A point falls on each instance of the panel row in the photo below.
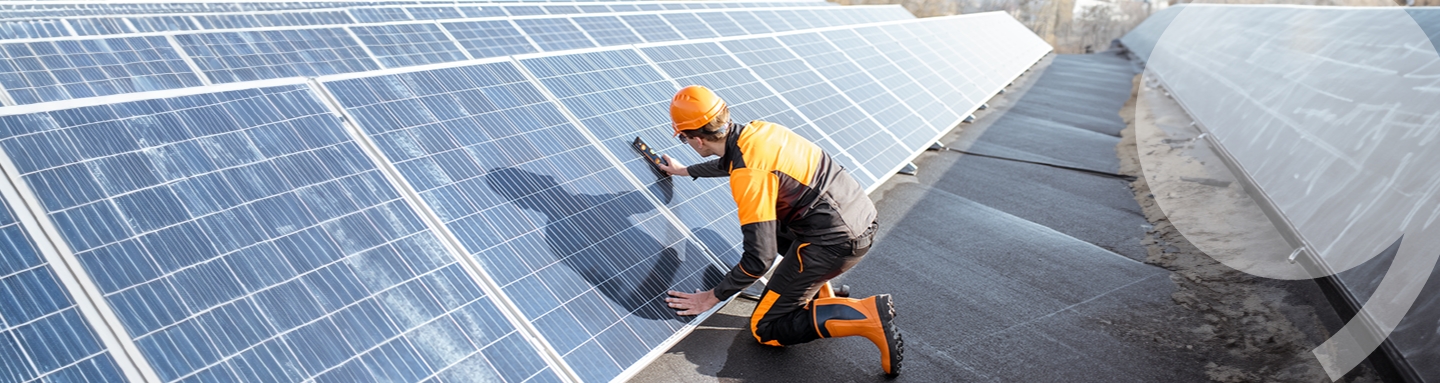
(70, 68)
(64, 9)
(481, 220)
(30, 28)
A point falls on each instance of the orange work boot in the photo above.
(872, 318)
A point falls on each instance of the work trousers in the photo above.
(784, 315)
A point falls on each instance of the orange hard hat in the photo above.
(693, 107)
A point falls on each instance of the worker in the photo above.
(792, 197)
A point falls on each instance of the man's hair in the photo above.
(716, 130)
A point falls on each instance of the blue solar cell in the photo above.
(555, 34)
(895, 77)
(796, 20)
(608, 30)
(380, 14)
(490, 38)
(99, 26)
(624, 8)
(650, 7)
(618, 96)
(752, 24)
(163, 23)
(772, 20)
(506, 172)
(675, 7)
(561, 9)
(483, 11)
(227, 21)
(408, 44)
(270, 284)
(652, 28)
(721, 24)
(61, 70)
(922, 64)
(29, 29)
(524, 10)
(596, 9)
(689, 25)
(434, 13)
(42, 333)
(840, 119)
(901, 123)
(246, 56)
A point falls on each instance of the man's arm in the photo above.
(755, 193)
(707, 169)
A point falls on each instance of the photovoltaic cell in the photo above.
(29, 29)
(675, 7)
(624, 8)
(247, 56)
(956, 58)
(652, 28)
(618, 96)
(753, 25)
(42, 333)
(689, 25)
(650, 7)
(561, 9)
(721, 23)
(583, 254)
(490, 38)
(796, 20)
(595, 9)
(912, 131)
(99, 26)
(163, 23)
(608, 30)
(959, 90)
(894, 77)
(840, 119)
(524, 10)
(62, 70)
(434, 13)
(379, 15)
(408, 44)
(749, 99)
(773, 20)
(917, 66)
(483, 11)
(243, 236)
(554, 34)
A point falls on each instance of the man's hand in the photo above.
(674, 168)
(692, 304)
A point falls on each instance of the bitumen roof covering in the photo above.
(1001, 270)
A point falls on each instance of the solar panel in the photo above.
(900, 122)
(483, 11)
(554, 34)
(42, 331)
(62, 70)
(524, 10)
(163, 23)
(561, 9)
(950, 59)
(917, 63)
(243, 236)
(848, 126)
(27, 29)
(585, 256)
(98, 26)
(773, 20)
(608, 30)
(721, 24)
(400, 45)
(247, 56)
(652, 28)
(595, 9)
(624, 8)
(489, 38)
(379, 15)
(434, 13)
(689, 25)
(752, 24)
(895, 78)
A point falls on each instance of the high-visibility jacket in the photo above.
(784, 184)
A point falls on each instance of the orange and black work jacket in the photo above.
(783, 183)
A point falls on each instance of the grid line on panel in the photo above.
(940, 60)
(61, 70)
(689, 25)
(257, 55)
(403, 45)
(855, 83)
(838, 119)
(898, 81)
(492, 38)
(720, 22)
(455, 41)
(617, 96)
(554, 34)
(189, 61)
(242, 230)
(29, 29)
(568, 239)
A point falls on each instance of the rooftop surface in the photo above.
(1001, 270)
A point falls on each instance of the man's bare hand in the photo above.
(692, 304)
(674, 168)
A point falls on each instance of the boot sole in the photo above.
(892, 334)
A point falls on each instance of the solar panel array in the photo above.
(429, 207)
(26, 10)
